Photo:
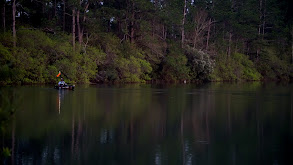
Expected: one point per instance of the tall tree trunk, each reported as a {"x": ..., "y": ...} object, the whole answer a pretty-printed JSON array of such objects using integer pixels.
[
  {"x": 55, "y": 5},
  {"x": 230, "y": 43},
  {"x": 43, "y": 8},
  {"x": 292, "y": 44},
  {"x": 132, "y": 24},
  {"x": 13, "y": 23},
  {"x": 63, "y": 15},
  {"x": 195, "y": 38},
  {"x": 73, "y": 29},
  {"x": 264, "y": 19},
  {"x": 78, "y": 27},
  {"x": 132, "y": 29},
  {"x": 257, "y": 52},
  {"x": 79, "y": 34},
  {"x": 209, "y": 32},
  {"x": 260, "y": 16},
  {"x": 164, "y": 32},
  {"x": 259, "y": 26},
  {"x": 84, "y": 19},
  {"x": 182, "y": 26},
  {"x": 3, "y": 16},
  {"x": 153, "y": 29}
]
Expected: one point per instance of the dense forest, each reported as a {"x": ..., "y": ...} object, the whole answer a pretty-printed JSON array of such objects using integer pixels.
[{"x": 145, "y": 40}]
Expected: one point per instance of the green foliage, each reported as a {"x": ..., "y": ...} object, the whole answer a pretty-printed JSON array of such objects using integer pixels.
[
  {"x": 223, "y": 70},
  {"x": 273, "y": 68},
  {"x": 153, "y": 47},
  {"x": 86, "y": 68},
  {"x": 29, "y": 67},
  {"x": 34, "y": 40},
  {"x": 68, "y": 68},
  {"x": 238, "y": 67},
  {"x": 246, "y": 69},
  {"x": 121, "y": 62},
  {"x": 87, "y": 64},
  {"x": 133, "y": 69},
  {"x": 6, "y": 60},
  {"x": 38, "y": 58},
  {"x": 6, "y": 39},
  {"x": 109, "y": 43},
  {"x": 50, "y": 74},
  {"x": 146, "y": 69},
  {"x": 8, "y": 102},
  {"x": 201, "y": 65},
  {"x": 137, "y": 40},
  {"x": 5, "y": 74},
  {"x": 5, "y": 54},
  {"x": 175, "y": 65},
  {"x": 6, "y": 152}
]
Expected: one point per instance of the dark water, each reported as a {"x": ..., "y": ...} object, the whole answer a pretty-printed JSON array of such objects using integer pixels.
[{"x": 217, "y": 123}]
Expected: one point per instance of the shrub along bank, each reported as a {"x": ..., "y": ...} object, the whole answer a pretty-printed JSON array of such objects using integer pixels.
[{"x": 38, "y": 57}]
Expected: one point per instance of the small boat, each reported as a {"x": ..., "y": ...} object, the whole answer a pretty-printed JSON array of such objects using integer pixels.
[{"x": 69, "y": 87}]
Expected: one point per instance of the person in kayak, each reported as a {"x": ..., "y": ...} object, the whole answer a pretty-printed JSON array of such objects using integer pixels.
[{"x": 62, "y": 83}]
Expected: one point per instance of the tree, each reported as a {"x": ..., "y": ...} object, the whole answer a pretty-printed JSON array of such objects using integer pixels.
[
  {"x": 73, "y": 29},
  {"x": 13, "y": 23},
  {"x": 80, "y": 26},
  {"x": 201, "y": 26},
  {"x": 291, "y": 44},
  {"x": 183, "y": 23},
  {"x": 4, "y": 15}
]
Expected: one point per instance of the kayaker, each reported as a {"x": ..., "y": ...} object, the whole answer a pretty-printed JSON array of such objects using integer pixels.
[{"x": 62, "y": 83}]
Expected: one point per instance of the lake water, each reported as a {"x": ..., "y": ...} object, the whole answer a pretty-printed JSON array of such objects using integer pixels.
[{"x": 217, "y": 123}]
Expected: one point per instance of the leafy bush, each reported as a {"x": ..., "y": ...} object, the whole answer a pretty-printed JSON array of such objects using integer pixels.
[
  {"x": 133, "y": 69},
  {"x": 50, "y": 74},
  {"x": 39, "y": 56},
  {"x": 87, "y": 64},
  {"x": 175, "y": 65},
  {"x": 200, "y": 63},
  {"x": 223, "y": 70},
  {"x": 6, "y": 60},
  {"x": 271, "y": 67},
  {"x": 245, "y": 68},
  {"x": 6, "y": 39},
  {"x": 238, "y": 67},
  {"x": 68, "y": 69},
  {"x": 34, "y": 40},
  {"x": 122, "y": 62}
]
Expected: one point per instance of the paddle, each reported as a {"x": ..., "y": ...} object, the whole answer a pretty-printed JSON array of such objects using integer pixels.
[
  {"x": 61, "y": 77},
  {"x": 69, "y": 86},
  {"x": 58, "y": 74}
]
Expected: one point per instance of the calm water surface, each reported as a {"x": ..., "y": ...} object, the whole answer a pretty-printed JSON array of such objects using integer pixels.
[{"x": 250, "y": 123}]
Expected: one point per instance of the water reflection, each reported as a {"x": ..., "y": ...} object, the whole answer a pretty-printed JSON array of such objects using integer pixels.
[
  {"x": 9, "y": 103},
  {"x": 60, "y": 98},
  {"x": 147, "y": 124}
]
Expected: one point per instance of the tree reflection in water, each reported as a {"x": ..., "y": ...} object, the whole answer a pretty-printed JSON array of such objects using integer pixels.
[
  {"x": 9, "y": 102},
  {"x": 148, "y": 124}
]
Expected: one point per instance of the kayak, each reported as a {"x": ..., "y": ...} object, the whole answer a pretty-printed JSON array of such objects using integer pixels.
[{"x": 69, "y": 87}]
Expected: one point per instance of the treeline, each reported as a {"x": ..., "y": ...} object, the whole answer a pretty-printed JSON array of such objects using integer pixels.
[{"x": 145, "y": 40}]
